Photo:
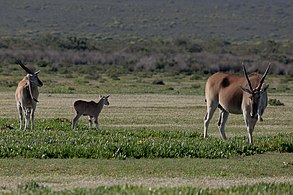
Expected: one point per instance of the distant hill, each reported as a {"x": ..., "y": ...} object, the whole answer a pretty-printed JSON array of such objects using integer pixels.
[{"x": 225, "y": 19}]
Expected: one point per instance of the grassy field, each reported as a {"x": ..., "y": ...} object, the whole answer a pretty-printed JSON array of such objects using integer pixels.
[
  {"x": 150, "y": 141},
  {"x": 133, "y": 121},
  {"x": 152, "y": 58},
  {"x": 154, "y": 111},
  {"x": 70, "y": 174}
]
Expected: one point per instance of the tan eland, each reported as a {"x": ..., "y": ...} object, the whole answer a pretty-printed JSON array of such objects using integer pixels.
[
  {"x": 236, "y": 95},
  {"x": 26, "y": 96}
]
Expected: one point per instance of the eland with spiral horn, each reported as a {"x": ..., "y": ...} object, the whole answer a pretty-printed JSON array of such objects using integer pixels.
[
  {"x": 26, "y": 95},
  {"x": 236, "y": 95}
]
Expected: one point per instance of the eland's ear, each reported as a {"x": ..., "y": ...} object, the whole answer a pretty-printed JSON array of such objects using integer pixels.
[
  {"x": 265, "y": 87},
  {"x": 37, "y": 72},
  {"x": 107, "y": 96},
  {"x": 246, "y": 90}
]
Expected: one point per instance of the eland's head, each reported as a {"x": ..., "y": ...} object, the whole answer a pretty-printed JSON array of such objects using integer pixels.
[
  {"x": 258, "y": 96},
  {"x": 31, "y": 75},
  {"x": 34, "y": 79}
]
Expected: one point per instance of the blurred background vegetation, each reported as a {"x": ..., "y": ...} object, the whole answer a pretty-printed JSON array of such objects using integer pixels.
[{"x": 117, "y": 37}]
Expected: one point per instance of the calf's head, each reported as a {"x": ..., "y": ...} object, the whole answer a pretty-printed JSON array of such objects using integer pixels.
[{"x": 105, "y": 100}]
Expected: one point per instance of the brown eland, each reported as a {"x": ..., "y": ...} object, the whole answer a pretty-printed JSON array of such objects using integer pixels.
[
  {"x": 91, "y": 109},
  {"x": 26, "y": 95},
  {"x": 236, "y": 95}
]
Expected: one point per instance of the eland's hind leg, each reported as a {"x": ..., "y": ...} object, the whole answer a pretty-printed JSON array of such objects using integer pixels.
[
  {"x": 222, "y": 121},
  {"x": 211, "y": 107}
]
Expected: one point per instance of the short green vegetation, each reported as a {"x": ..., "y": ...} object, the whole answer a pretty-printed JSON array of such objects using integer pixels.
[
  {"x": 275, "y": 102},
  {"x": 55, "y": 139}
]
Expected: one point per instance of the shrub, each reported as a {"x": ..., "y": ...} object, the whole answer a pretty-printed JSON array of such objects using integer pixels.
[
  {"x": 275, "y": 102},
  {"x": 158, "y": 82},
  {"x": 43, "y": 63},
  {"x": 194, "y": 48},
  {"x": 31, "y": 186}
]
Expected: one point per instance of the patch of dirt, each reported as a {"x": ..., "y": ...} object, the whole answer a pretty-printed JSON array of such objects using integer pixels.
[{"x": 8, "y": 184}]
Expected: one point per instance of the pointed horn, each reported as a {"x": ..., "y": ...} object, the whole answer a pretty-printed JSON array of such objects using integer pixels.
[
  {"x": 24, "y": 67},
  {"x": 245, "y": 73},
  {"x": 264, "y": 76}
]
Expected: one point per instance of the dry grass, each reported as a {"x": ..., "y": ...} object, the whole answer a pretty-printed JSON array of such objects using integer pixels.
[
  {"x": 60, "y": 174},
  {"x": 154, "y": 111},
  {"x": 73, "y": 182}
]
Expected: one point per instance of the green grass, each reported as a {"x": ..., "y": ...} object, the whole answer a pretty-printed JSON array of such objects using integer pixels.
[
  {"x": 127, "y": 84},
  {"x": 146, "y": 140},
  {"x": 153, "y": 58},
  {"x": 55, "y": 139},
  {"x": 270, "y": 164}
]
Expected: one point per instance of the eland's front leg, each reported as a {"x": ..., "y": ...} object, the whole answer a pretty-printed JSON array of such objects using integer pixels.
[
  {"x": 33, "y": 119},
  {"x": 27, "y": 118},
  {"x": 20, "y": 116},
  {"x": 250, "y": 124}
]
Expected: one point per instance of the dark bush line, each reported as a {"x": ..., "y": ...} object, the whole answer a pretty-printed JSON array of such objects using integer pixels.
[{"x": 153, "y": 54}]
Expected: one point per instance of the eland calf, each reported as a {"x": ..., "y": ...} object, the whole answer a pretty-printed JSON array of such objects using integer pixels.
[
  {"x": 26, "y": 95},
  {"x": 91, "y": 109},
  {"x": 237, "y": 95}
]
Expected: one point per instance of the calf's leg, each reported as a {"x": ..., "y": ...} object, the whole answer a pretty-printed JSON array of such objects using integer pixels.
[{"x": 75, "y": 120}]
